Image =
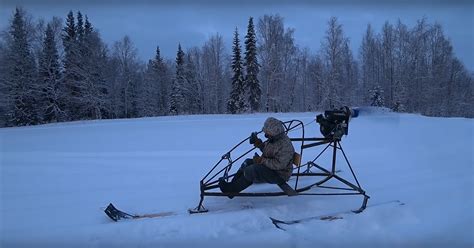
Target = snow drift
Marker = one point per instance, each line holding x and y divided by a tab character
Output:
55	180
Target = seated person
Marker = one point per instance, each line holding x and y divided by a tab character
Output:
274	166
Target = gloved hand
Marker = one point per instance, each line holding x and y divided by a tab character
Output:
254	140
257	159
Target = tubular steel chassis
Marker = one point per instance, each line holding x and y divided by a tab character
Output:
210	181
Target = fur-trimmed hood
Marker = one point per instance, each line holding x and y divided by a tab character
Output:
273	127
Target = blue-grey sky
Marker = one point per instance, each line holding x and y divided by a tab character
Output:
191	23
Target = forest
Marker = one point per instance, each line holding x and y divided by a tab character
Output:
61	70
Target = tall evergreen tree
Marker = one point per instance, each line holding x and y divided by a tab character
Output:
49	77
149	99
83	70
95	88
80	27
4	89
69	38
151	90
236	103
163	77
252	66
177	100
154	87
70	62
23	92
88	27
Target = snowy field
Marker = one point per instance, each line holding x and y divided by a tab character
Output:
56	179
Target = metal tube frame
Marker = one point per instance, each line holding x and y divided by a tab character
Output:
207	183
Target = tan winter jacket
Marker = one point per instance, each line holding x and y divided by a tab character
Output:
278	151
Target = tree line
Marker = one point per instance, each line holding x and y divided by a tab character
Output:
62	71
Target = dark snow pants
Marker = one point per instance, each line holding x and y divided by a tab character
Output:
258	173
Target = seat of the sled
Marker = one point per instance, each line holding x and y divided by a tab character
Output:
296	159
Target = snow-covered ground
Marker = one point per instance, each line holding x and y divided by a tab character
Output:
55	180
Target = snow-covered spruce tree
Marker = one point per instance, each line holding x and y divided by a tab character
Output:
376	96
80	28
6	99
236	102
159	70
69	38
4	90
50	80
84	70
94	61
150	91
252	67
82	102
155	89
23	92
177	101
71	60
165	81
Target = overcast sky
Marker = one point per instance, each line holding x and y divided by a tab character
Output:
193	22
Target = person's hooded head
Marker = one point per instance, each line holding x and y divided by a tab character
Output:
273	128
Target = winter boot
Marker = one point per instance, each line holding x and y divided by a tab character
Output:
226	187
233	188
240	173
